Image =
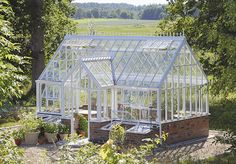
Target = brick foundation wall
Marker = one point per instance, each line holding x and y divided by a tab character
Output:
96	134
178	131
187	129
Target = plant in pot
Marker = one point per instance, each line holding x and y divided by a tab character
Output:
51	130
18	136
30	124
83	126
63	131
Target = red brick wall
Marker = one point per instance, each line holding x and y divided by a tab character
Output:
96	134
177	131
187	129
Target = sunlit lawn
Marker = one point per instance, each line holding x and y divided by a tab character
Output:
6	123
118	26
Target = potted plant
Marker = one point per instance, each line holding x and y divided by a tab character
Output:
63	131
42	138
18	136
51	130
83	126
31	125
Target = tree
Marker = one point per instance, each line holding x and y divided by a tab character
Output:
11	75
210	27
152	12
95	13
118	11
37	39
80	13
124	15
88	14
108	10
48	21
57	21
113	14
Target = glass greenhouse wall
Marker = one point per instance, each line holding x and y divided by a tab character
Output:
140	80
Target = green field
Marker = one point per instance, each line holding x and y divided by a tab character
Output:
117	26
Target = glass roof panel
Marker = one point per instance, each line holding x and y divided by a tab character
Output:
145	68
101	71
129	60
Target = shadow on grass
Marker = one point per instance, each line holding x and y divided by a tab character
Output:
223	115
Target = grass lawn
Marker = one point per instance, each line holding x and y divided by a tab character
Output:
118	26
223	114
7	123
226	158
11	120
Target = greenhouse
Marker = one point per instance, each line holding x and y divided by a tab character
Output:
141	81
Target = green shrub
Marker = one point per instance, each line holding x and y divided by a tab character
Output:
66	153
9	152
117	134
30	122
50	127
63	129
110	152
19	134
83	123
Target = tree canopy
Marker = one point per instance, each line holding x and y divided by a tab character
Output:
153	12
11	75
30	32
210	27
118	10
40	25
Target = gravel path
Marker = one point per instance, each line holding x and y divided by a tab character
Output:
40	154
196	149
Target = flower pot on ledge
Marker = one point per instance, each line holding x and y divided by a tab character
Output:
63	136
82	133
51	137
18	142
31	138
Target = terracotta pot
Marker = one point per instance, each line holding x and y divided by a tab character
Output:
31	138
52	137
62	136
42	140
18	142
82	133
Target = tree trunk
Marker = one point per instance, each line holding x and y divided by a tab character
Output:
37	38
